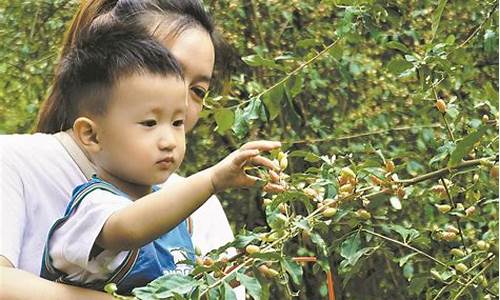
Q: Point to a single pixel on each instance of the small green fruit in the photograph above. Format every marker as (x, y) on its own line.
(443, 208)
(462, 268)
(482, 245)
(329, 212)
(252, 249)
(363, 214)
(457, 252)
(347, 173)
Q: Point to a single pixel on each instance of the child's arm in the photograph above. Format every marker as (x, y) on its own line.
(153, 215)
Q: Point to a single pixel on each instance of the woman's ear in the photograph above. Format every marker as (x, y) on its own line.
(85, 132)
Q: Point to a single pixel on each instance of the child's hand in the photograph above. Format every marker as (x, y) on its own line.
(230, 172)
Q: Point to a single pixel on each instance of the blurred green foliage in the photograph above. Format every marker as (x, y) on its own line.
(391, 61)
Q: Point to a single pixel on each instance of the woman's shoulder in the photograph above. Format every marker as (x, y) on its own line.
(18, 142)
(39, 147)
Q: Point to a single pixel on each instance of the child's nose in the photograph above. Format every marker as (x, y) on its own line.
(166, 141)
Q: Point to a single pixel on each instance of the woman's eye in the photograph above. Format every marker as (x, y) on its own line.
(199, 92)
(148, 123)
(178, 123)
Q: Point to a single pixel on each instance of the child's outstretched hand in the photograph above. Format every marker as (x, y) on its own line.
(230, 173)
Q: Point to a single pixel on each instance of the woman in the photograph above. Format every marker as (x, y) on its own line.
(31, 200)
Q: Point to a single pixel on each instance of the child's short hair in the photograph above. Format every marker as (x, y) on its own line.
(103, 55)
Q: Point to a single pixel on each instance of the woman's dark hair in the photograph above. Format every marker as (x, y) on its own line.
(101, 57)
(170, 17)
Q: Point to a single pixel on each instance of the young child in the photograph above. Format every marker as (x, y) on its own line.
(131, 105)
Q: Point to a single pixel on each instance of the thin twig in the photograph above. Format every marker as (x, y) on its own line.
(284, 79)
(472, 280)
(406, 246)
(334, 138)
(444, 171)
(457, 219)
(476, 31)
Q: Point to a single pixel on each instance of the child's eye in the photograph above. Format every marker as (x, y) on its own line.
(148, 123)
(199, 92)
(178, 123)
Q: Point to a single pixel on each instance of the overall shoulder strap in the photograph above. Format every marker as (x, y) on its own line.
(48, 271)
(87, 167)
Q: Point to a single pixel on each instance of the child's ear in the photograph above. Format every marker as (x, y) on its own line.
(85, 132)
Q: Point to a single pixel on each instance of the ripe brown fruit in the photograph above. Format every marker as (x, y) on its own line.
(494, 172)
(208, 262)
(448, 236)
(440, 190)
(441, 106)
(375, 180)
(282, 208)
(470, 211)
(389, 166)
(451, 228)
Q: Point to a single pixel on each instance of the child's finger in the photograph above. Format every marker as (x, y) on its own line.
(274, 188)
(274, 176)
(262, 161)
(243, 155)
(262, 145)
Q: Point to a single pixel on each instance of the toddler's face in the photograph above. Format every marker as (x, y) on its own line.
(141, 135)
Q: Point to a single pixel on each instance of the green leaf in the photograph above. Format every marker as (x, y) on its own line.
(251, 284)
(443, 152)
(417, 284)
(272, 100)
(465, 146)
(408, 234)
(294, 269)
(490, 41)
(403, 260)
(491, 94)
(294, 85)
(240, 126)
(398, 46)
(224, 119)
(228, 292)
(436, 17)
(349, 248)
(255, 60)
(167, 286)
(398, 66)
(253, 110)
(337, 50)
(320, 243)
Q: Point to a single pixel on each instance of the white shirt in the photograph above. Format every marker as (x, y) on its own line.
(36, 180)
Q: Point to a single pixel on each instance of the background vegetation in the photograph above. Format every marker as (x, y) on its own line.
(359, 80)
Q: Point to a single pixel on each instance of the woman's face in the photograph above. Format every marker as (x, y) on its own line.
(194, 50)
